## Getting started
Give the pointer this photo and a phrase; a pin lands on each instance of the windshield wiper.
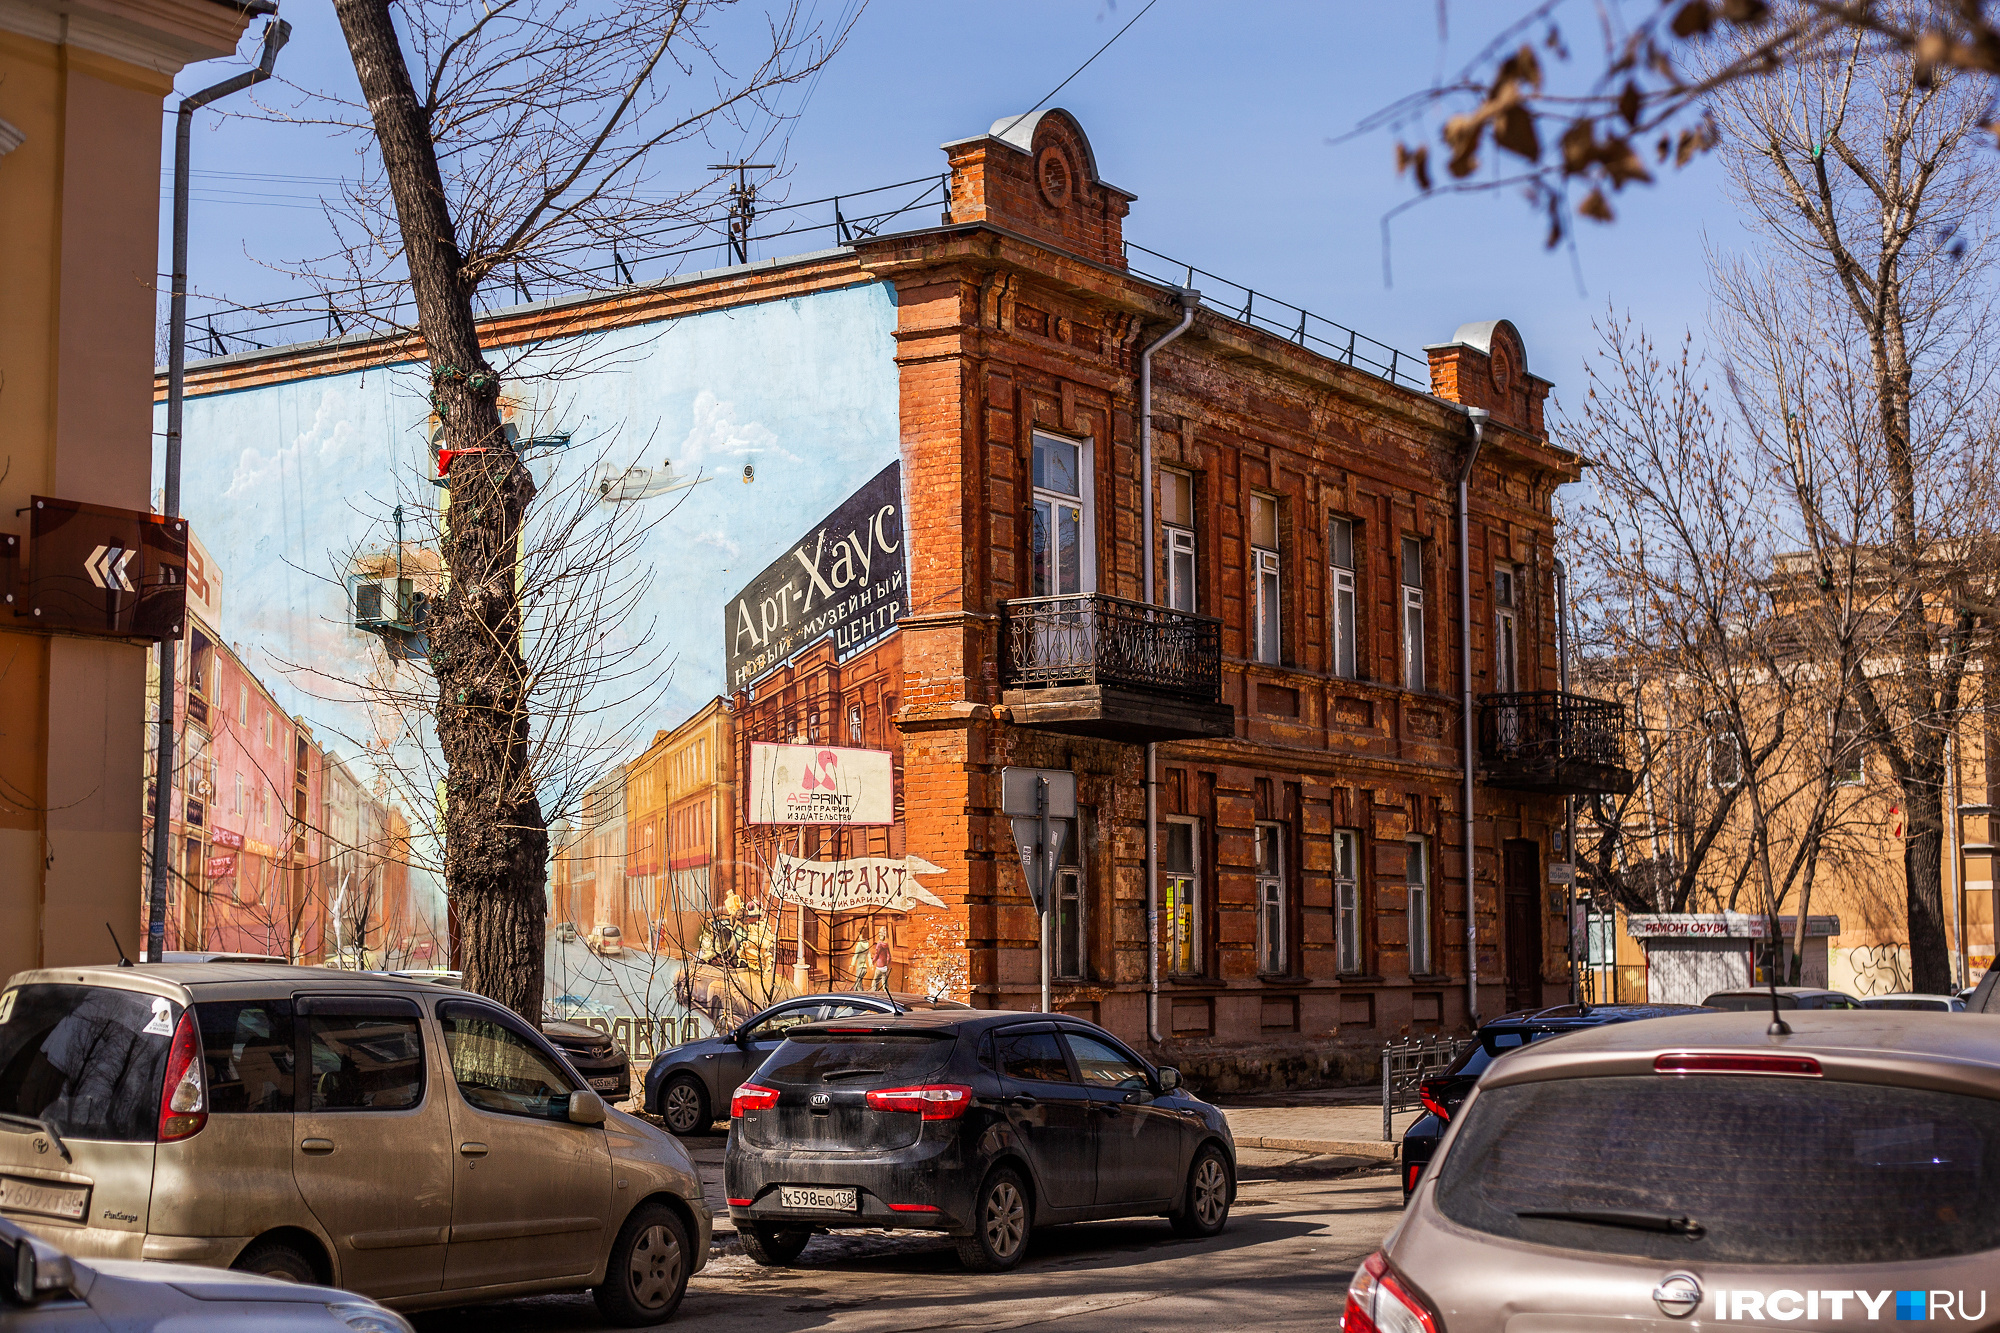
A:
(44, 1124)
(1604, 1217)
(849, 1073)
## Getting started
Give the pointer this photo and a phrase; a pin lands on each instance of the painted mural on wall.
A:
(734, 431)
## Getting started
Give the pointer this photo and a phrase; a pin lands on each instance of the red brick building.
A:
(1263, 599)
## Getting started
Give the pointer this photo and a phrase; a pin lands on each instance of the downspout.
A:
(1479, 417)
(1190, 300)
(276, 33)
(1569, 802)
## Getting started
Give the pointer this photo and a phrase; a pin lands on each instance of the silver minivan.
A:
(1845, 1173)
(415, 1144)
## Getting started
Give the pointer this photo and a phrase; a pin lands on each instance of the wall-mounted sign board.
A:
(97, 569)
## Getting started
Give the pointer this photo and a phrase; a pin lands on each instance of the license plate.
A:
(49, 1200)
(604, 1084)
(818, 1200)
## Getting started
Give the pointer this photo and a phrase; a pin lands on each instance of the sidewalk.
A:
(1311, 1125)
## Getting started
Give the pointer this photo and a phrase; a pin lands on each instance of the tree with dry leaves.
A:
(1859, 332)
(1646, 98)
(509, 138)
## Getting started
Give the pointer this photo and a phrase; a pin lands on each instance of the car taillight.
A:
(1689, 1062)
(1431, 1093)
(750, 1097)
(1415, 1169)
(1379, 1300)
(933, 1101)
(184, 1092)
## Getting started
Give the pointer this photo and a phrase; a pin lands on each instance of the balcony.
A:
(1091, 665)
(1555, 743)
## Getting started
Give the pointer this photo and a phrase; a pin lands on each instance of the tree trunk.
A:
(495, 839)
(1923, 870)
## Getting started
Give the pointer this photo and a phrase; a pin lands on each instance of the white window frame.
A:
(1413, 615)
(1417, 909)
(1072, 934)
(1845, 731)
(1719, 734)
(1178, 549)
(1182, 938)
(1266, 591)
(1086, 505)
(1506, 635)
(1343, 657)
(1273, 953)
(1347, 898)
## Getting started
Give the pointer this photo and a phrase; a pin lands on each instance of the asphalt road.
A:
(1293, 1241)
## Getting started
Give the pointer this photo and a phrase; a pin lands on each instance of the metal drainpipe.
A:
(1190, 300)
(1479, 417)
(1569, 802)
(276, 33)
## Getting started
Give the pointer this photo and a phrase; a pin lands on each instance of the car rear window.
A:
(89, 1059)
(1772, 1170)
(1490, 1047)
(815, 1057)
(1749, 1002)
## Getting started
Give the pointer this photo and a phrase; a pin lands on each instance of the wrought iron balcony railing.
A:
(1549, 741)
(1093, 639)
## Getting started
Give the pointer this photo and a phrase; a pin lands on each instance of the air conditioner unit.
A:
(381, 604)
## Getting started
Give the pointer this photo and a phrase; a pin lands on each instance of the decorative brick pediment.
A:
(1036, 175)
(1486, 365)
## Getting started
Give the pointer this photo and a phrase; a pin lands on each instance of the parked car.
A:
(688, 1085)
(1758, 998)
(595, 1056)
(608, 940)
(195, 956)
(1909, 1000)
(130, 1296)
(566, 931)
(1643, 1173)
(1442, 1094)
(978, 1124)
(437, 976)
(730, 996)
(419, 1145)
(125, 1295)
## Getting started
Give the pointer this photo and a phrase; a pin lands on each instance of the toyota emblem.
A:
(1679, 1294)
(822, 1099)
(41, 1144)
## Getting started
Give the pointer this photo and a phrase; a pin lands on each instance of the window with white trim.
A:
(1417, 871)
(1725, 756)
(1268, 645)
(1506, 654)
(1177, 544)
(1413, 613)
(1347, 898)
(1060, 537)
(1340, 583)
(1180, 893)
(1072, 941)
(1273, 956)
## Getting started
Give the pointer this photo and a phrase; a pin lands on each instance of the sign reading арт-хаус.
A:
(843, 579)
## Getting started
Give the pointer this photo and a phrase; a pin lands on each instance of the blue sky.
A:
(1218, 116)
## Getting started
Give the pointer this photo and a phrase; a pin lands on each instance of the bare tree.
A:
(523, 140)
(1647, 93)
(1859, 334)
(1739, 692)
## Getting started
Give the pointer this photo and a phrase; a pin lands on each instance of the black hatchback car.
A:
(1442, 1094)
(979, 1124)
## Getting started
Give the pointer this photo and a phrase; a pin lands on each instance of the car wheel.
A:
(774, 1247)
(684, 1105)
(1205, 1207)
(648, 1271)
(274, 1258)
(1001, 1221)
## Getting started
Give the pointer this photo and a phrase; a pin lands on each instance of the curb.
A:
(1340, 1147)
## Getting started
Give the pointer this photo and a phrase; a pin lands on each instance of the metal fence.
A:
(1094, 639)
(1407, 1063)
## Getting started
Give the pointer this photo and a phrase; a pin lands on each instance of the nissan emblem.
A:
(1679, 1294)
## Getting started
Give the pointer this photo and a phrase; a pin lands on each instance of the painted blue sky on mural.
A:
(282, 482)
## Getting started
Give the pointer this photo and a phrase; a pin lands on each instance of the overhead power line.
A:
(1078, 70)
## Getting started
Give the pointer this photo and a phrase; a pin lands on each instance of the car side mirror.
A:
(1169, 1078)
(586, 1108)
(41, 1272)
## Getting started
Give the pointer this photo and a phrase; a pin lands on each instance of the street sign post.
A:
(1034, 800)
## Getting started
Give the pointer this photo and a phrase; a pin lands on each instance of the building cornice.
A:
(157, 36)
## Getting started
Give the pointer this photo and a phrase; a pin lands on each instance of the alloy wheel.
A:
(1211, 1191)
(683, 1108)
(1004, 1219)
(656, 1267)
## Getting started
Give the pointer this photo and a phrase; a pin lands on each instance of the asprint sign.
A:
(844, 579)
(820, 784)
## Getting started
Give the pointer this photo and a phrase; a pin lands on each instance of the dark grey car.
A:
(689, 1086)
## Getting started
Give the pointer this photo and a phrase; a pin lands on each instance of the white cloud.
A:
(716, 434)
